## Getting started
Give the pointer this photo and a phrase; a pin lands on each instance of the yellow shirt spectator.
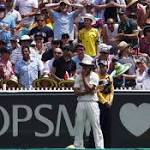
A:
(89, 38)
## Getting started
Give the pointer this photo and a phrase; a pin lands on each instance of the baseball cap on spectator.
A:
(123, 45)
(14, 38)
(103, 48)
(141, 60)
(103, 63)
(146, 29)
(40, 34)
(80, 45)
(2, 7)
(25, 38)
(89, 16)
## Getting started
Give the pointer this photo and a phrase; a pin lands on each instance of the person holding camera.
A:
(105, 92)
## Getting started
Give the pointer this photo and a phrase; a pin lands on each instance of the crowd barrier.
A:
(45, 118)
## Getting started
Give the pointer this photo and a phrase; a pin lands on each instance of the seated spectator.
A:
(6, 68)
(28, 69)
(64, 64)
(110, 31)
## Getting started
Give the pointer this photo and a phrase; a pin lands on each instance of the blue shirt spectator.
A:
(28, 69)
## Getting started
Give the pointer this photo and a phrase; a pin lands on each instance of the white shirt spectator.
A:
(26, 7)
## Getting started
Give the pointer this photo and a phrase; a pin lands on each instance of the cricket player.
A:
(87, 107)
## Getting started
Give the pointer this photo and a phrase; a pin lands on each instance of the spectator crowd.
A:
(49, 39)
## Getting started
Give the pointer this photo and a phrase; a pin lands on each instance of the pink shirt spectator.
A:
(6, 70)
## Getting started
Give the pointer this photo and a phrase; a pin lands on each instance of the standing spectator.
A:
(6, 69)
(89, 36)
(87, 106)
(128, 31)
(28, 69)
(7, 24)
(42, 27)
(110, 32)
(64, 20)
(144, 42)
(104, 8)
(13, 12)
(134, 6)
(28, 10)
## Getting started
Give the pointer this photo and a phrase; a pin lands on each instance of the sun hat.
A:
(122, 46)
(104, 48)
(44, 82)
(131, 2)
(120, 69)
(87, 61)
(66, 83)
(12, 82)
(89, 16)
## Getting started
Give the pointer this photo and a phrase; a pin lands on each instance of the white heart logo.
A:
(135, 119)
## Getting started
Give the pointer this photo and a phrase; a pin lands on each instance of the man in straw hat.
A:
(89, 36)
(63, 20)
(87, 107)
